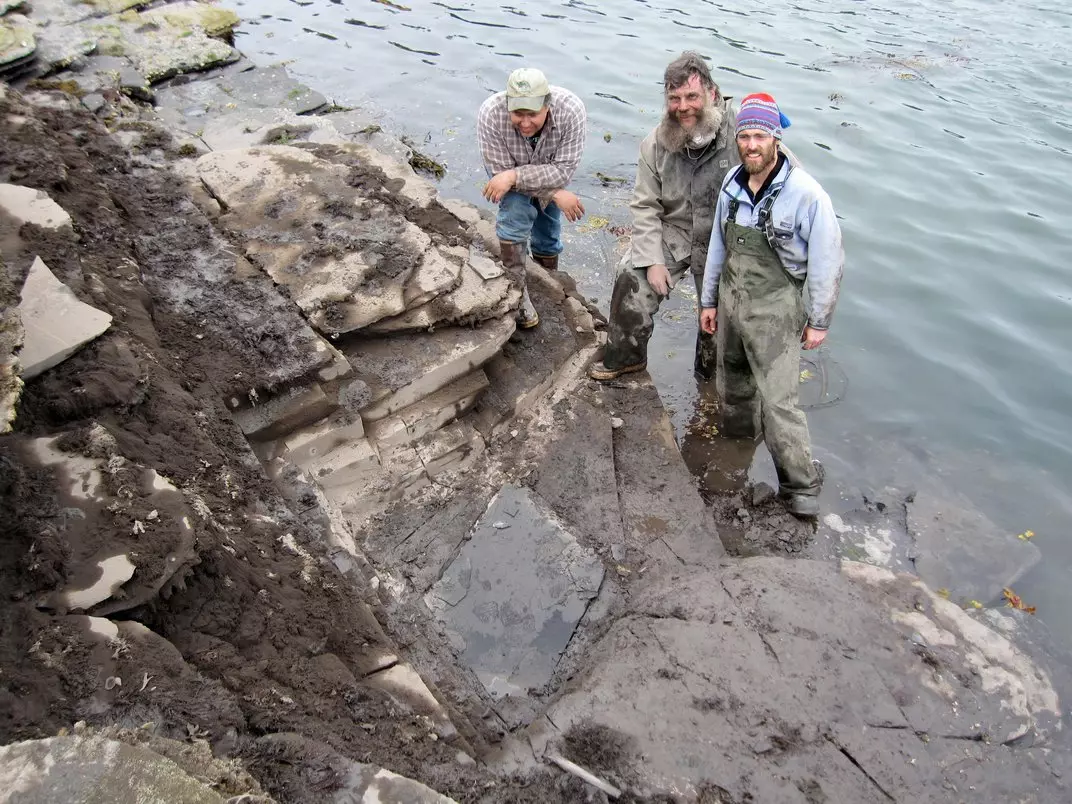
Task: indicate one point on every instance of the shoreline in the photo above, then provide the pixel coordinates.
(834, 664)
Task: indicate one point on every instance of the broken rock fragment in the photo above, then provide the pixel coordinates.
(56, 323)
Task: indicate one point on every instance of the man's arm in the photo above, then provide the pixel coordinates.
(716, 256)
(540, 179)
(647, 209)
(826, 262)
(491, 137)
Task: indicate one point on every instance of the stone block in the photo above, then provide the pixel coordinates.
(454, 448)
(283, 414)
(351, 464)
(405, 369)
(512, 598)
(431, 413)
(56, 323)
(27, 205)
(312, 443)
(474, 299)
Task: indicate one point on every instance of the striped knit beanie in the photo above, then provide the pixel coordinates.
(760, 110)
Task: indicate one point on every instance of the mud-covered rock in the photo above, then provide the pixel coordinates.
(84, 769)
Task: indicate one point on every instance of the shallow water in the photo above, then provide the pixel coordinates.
(942, 132)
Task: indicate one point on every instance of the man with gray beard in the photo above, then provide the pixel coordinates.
(682, 165)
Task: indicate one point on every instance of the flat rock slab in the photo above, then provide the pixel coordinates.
(773, 677)
(472, 299)
(959, 549)
(237, 91)
(27, 205)
(348, 260)
(513, 597)
(576, 474)
(405, 369)
(56, 323)
(91, 769)
(431, 413)
(662, 511)
(161, 49)
(187, 15)
(16, 39)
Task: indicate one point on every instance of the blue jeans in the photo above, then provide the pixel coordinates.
(520, 218)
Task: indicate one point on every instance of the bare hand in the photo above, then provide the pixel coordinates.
(709, 320)
(570, 204)
(812, 338)
(500, 185)
(659, 279)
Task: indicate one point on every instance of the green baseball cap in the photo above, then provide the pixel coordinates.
(526, 88)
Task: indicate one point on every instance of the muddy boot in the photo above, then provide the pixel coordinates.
(805, 506)
(548, 261)
(513, 260)
(600, 371)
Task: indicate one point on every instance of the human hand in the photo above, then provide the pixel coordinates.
(709, 320)
(500, 185)
(812, 338)
(659, 279)
(569, 203)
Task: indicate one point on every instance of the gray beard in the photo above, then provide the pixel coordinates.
(675, 138)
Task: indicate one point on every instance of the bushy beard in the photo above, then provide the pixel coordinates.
(674, 137)
(768, 154)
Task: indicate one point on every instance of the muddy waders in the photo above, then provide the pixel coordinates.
(513, 260)
(760, 318)
(633, 306)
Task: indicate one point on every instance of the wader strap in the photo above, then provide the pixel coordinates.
(766, 225)
(731, 215)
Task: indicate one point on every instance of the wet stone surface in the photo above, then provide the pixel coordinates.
(512, 598)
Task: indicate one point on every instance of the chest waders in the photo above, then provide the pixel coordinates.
(760, 318)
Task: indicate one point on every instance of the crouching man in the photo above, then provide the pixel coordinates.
(531, 139)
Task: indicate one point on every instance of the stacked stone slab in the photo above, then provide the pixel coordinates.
(408, 303)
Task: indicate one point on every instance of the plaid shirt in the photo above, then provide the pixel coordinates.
(550, 165)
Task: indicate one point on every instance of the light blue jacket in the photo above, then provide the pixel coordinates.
(807, 235)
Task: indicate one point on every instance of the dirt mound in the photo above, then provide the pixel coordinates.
(258, 633)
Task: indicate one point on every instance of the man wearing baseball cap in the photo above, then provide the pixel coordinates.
(775, 233)
(531, 139)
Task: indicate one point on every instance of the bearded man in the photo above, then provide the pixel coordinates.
(776, 232)
(681, 167)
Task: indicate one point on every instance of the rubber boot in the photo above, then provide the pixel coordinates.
(806, 506)
(548, 261)
(513, 260)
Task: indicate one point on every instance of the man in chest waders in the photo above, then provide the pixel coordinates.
(681, 167)
(775, 232)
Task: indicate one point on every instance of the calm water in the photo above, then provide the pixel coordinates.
(943, 132)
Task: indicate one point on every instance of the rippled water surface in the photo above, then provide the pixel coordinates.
(943, 132)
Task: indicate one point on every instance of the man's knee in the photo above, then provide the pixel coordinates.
(516, 217)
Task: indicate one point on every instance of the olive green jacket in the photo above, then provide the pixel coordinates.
(674, 198)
